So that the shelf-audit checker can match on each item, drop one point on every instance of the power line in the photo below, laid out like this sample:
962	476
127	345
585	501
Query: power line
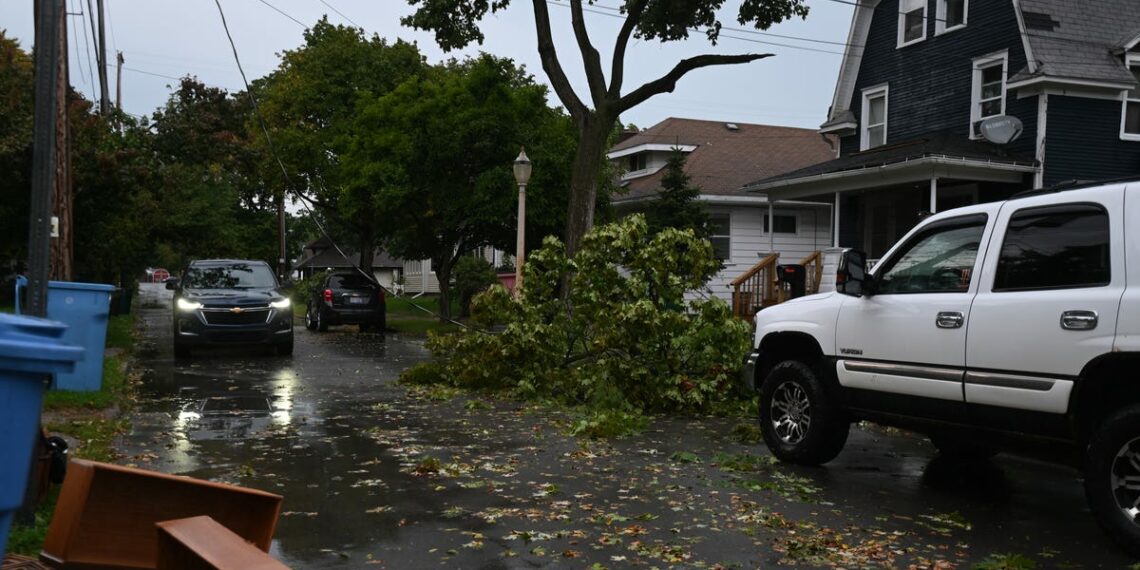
78	58
279	11
341	14
723	35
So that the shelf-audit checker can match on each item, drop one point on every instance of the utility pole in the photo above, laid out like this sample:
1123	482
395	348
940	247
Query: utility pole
47	55
119	81
282	269
104	99
60	266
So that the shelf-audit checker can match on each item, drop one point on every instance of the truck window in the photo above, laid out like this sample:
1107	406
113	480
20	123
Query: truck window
938	260
1055	247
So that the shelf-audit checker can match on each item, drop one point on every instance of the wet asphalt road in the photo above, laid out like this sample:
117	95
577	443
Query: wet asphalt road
379	475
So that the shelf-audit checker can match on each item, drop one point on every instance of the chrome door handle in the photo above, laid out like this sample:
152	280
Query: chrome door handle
949	320
1078	320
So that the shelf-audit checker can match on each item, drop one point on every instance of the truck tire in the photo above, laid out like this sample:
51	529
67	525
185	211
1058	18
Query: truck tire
798	419
1112	477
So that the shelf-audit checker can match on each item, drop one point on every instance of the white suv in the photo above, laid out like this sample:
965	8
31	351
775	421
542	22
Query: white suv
1012	325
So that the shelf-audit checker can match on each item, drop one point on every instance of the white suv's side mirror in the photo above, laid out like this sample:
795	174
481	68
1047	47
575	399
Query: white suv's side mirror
851	277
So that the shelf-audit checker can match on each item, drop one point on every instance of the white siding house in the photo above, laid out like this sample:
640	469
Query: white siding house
720	159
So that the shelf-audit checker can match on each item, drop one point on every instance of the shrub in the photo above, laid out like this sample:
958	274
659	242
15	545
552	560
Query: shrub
306	288
624	338
473	275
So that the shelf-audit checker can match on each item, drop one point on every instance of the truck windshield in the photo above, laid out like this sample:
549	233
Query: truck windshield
232	276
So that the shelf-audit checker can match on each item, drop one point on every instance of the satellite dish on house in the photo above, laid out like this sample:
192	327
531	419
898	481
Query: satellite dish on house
1002	129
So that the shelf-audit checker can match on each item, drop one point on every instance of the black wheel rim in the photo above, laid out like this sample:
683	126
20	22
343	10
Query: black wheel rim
791	413
1125	479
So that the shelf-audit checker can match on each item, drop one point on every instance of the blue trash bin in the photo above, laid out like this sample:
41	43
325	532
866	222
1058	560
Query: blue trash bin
30	350
85	309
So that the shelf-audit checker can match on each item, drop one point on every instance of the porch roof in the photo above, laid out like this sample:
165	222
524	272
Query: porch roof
941	155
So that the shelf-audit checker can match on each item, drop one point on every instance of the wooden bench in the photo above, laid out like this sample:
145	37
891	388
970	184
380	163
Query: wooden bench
106	514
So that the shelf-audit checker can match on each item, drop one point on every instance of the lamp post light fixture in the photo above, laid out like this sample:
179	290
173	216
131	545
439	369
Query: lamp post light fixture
522	169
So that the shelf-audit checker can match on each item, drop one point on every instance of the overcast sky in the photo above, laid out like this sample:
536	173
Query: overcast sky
163	40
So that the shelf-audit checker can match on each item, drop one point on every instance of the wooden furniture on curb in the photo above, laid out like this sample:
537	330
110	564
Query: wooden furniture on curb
106	514
200	543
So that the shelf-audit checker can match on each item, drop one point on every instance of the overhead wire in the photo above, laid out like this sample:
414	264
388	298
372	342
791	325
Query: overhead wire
285	173
283	13
78	56
341	14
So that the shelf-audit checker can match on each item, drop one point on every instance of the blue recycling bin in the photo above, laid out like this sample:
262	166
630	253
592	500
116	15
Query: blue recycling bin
31	349
85	309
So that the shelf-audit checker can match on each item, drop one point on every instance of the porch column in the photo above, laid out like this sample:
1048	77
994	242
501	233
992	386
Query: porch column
771	229
835	229
934	195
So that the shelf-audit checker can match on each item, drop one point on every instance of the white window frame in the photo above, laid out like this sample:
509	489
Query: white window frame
981	63
940	15
1130	60
902	22
864	122
727	216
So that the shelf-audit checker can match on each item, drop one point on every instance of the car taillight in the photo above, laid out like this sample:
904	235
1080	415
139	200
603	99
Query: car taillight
380	295
328	295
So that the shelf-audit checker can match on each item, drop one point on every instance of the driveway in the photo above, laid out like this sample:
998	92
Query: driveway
375	474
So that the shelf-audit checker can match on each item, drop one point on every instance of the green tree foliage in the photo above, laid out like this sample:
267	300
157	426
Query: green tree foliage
435	154
15	147
311	104
456	25
676	206
209	197
624	340
473	275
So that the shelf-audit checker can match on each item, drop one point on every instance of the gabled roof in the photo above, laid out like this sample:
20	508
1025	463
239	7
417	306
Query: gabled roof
1065	40
723	160
1078	40
321	254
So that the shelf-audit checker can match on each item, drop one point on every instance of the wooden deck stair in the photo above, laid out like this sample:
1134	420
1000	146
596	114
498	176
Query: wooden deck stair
757	287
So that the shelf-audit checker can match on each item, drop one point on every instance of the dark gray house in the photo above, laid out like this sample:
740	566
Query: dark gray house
919	77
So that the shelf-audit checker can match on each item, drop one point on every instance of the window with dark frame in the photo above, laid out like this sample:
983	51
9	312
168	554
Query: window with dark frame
637	162
1055	247
719	235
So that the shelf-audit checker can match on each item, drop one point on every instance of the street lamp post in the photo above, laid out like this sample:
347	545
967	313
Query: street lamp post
522	169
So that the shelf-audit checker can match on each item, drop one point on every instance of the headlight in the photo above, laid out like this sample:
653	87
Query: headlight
282	304
184	305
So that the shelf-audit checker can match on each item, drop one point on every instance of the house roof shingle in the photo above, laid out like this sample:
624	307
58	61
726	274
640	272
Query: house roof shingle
725	159
1080	40
322	254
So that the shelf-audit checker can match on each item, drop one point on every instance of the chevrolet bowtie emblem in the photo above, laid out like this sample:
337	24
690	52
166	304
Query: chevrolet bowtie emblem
236	310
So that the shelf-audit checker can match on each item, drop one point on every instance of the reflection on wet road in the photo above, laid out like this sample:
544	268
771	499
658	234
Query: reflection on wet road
379	475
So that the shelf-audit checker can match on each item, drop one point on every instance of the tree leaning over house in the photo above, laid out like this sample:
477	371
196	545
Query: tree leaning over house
456	25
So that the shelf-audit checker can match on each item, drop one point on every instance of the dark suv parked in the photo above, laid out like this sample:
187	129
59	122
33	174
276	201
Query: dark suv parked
223	302
346	298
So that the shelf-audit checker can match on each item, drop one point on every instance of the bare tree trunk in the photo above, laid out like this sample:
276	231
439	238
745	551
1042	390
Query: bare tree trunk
584	177
366	246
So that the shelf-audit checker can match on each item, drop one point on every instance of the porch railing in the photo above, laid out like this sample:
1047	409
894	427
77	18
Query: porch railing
755	288
813	267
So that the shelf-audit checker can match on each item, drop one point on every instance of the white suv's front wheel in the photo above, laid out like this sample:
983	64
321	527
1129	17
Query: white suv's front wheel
798	420
1112	477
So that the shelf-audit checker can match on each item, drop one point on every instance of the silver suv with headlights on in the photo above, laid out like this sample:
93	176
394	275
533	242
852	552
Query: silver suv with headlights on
225	302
